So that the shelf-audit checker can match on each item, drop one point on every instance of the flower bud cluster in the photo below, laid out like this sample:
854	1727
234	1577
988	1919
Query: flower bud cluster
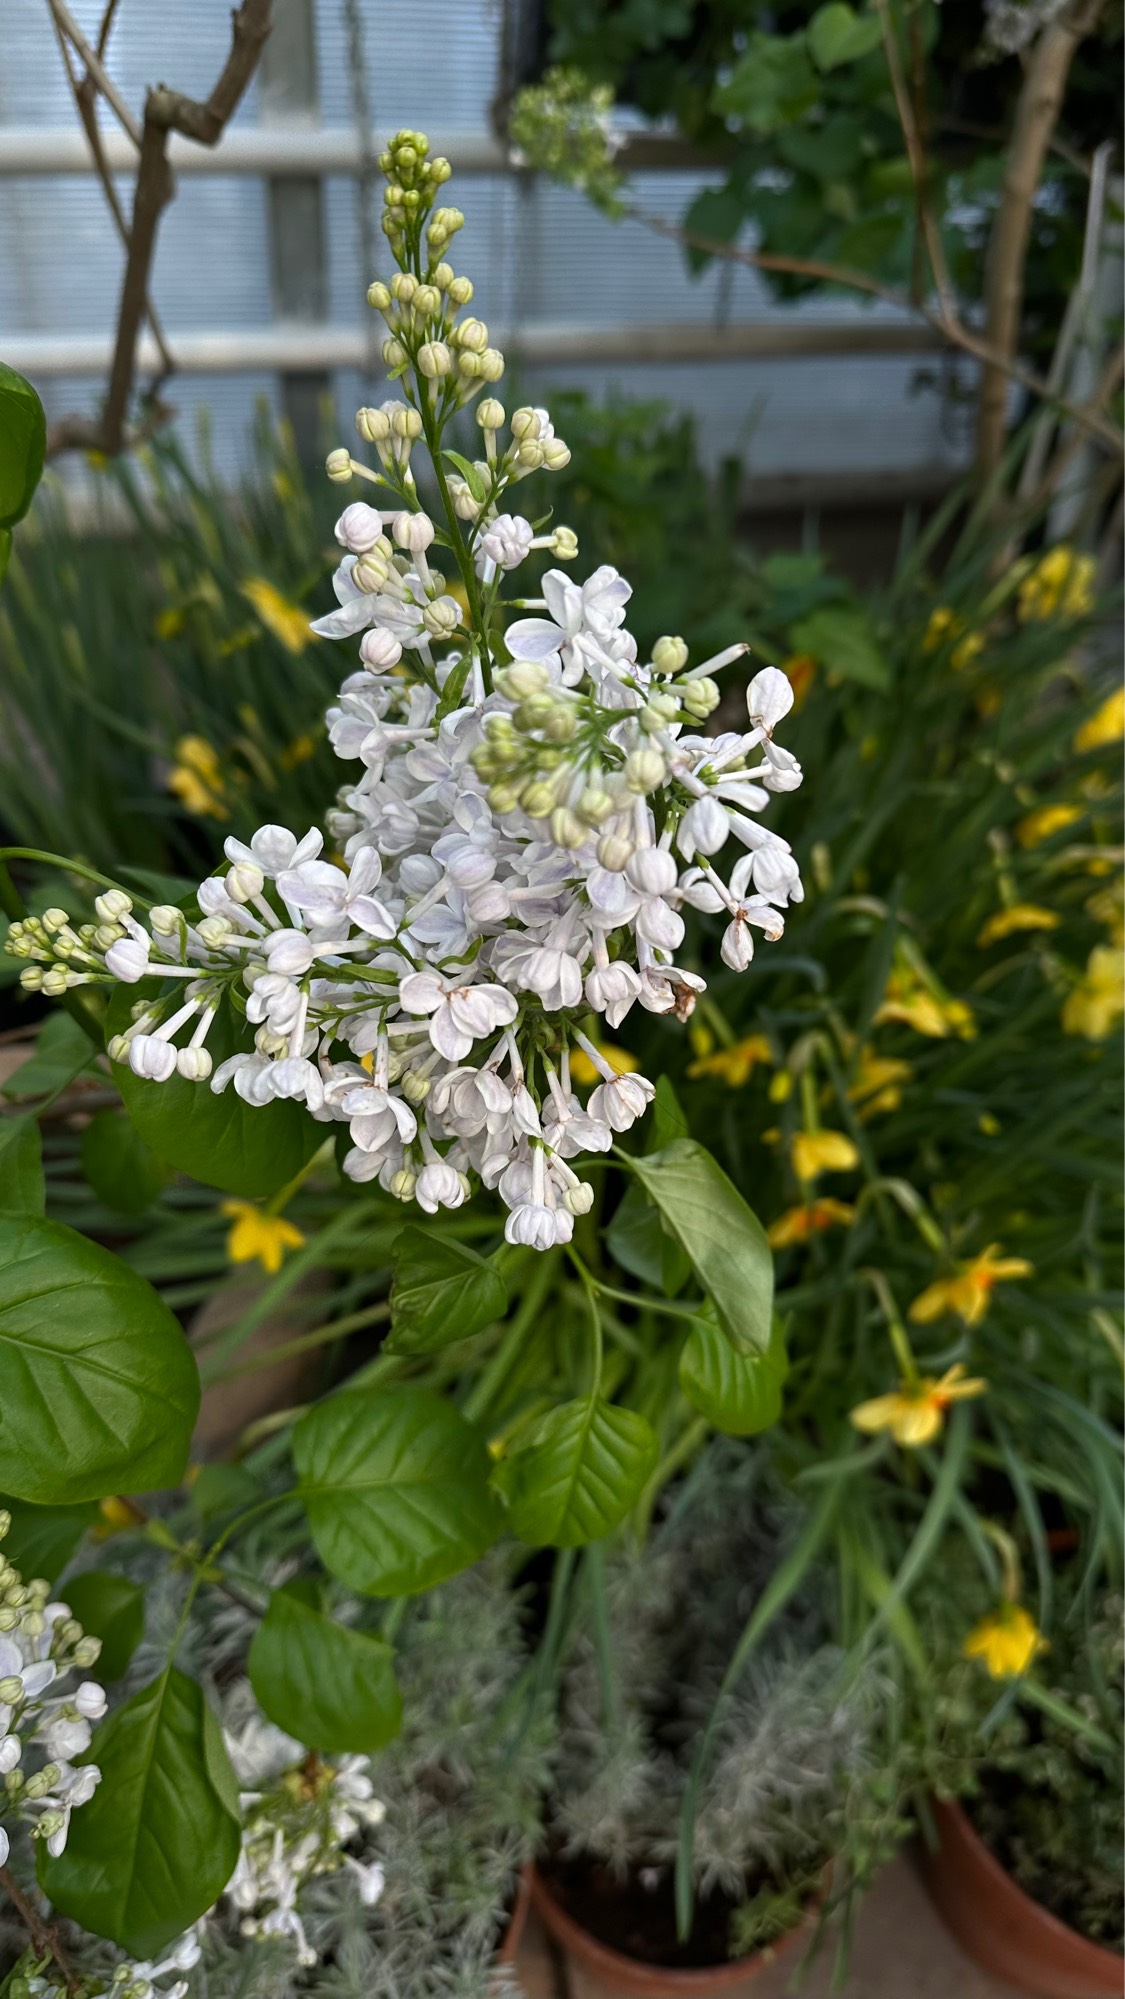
42	1730
531	811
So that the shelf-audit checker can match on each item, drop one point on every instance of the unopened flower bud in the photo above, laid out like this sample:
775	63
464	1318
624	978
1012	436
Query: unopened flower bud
442	617
117	1048
595	805
402	1184
472	334
537	799
55	982
244	881
338	465
460	291
443	276
469	366
370	572
465	506
394	353
579	1199
490	413
567	829
111	906
434	359
194	1064
406	422
644	770
526	422
564	541
522	679
503	798
11	1689
669	655
128	959
440	170
404	285
491	364
165	919
415	1087
31	978
529	454
556	454
88	1651
413	531
614	851
379	651
379	296
700	697
214	930
374	426
359	527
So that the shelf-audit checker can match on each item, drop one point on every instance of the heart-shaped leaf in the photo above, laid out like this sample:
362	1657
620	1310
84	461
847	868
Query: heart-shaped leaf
722	1236
250	1149
330	1687
100	1389
395	1484
158	1842
442	1292
579	1473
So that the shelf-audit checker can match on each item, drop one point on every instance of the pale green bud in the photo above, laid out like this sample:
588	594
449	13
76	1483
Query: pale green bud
56	919
614	850
434	360
374	426
379	296
441	618
669	655
427	301
556	454
523	678
11	1688
503	798
415	1087
595	805
31	979
700	698
472	335
644	771
491	364
443	276
561	726
403	1184
537	799
338	465
111	907
406	422
117	1048
490	413
564	541
88	1650
394	353
55	982
567	829
165	919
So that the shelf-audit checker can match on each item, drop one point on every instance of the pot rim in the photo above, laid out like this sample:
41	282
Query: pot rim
639	1976
1091	1957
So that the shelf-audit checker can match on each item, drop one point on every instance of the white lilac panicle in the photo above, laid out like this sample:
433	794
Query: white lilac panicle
44	1728
523	825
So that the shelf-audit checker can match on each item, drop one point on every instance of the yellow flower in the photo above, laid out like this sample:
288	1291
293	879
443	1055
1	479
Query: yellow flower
945	625
927	1011
196	778
969	1292
797	1225
170	622
1061	585
1108	907
733	1066
258	1237
298	751
1095	1007
877	1083
583	1071
1007	1641
1020	916
815	1152
1045	821
915	1413
288	622
1105	726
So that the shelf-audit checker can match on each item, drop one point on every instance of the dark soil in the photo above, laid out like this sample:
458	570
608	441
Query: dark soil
637	1915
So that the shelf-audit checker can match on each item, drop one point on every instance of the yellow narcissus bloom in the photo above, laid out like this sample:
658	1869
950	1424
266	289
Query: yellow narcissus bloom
814	1152
944	626
733	1066
798	1225
915	1413
583	1071
1044	821
877	1084
257	1237
969	1292
287	621
1106	726
196	778
1061	585
1019	916
1007	1641
1095	1007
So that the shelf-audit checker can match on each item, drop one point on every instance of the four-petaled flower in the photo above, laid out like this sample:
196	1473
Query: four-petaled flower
259	1237
459	1014
1006	1642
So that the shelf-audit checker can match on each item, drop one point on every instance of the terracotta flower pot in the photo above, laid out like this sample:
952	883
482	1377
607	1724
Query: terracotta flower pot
517	1921
617	1973
1002	1928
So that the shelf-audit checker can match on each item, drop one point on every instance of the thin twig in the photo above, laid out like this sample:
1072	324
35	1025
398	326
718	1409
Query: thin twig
64	19
919	173
42	1935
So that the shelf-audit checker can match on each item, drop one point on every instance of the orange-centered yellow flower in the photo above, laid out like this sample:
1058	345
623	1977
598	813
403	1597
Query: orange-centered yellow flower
733	1066
968	1293
815	1152
258	1237
915	1413
1018	916
798	1225
1006	1642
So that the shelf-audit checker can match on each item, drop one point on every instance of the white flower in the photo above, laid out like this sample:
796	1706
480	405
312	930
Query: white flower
152	1056
621	1101
439	1186
460	1014
507	540
273	848
128	959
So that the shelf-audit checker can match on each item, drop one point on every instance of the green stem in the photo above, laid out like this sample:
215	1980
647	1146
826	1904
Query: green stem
1060	1710
432	430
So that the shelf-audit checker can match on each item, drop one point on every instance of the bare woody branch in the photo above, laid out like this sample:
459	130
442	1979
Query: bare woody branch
166	111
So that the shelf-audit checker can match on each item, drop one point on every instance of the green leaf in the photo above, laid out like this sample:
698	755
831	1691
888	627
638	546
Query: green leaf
330	1687
442	1292
738	1393
576	1478
62	1051
469	474
119	1166
218	1489
22	1189
454	688
23	439
100	1388
395	1484
722	1236
638	1240
772	83
245	1149
42	1539
158	1841
668	1117
844	642
113	1609
837	34
5	551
